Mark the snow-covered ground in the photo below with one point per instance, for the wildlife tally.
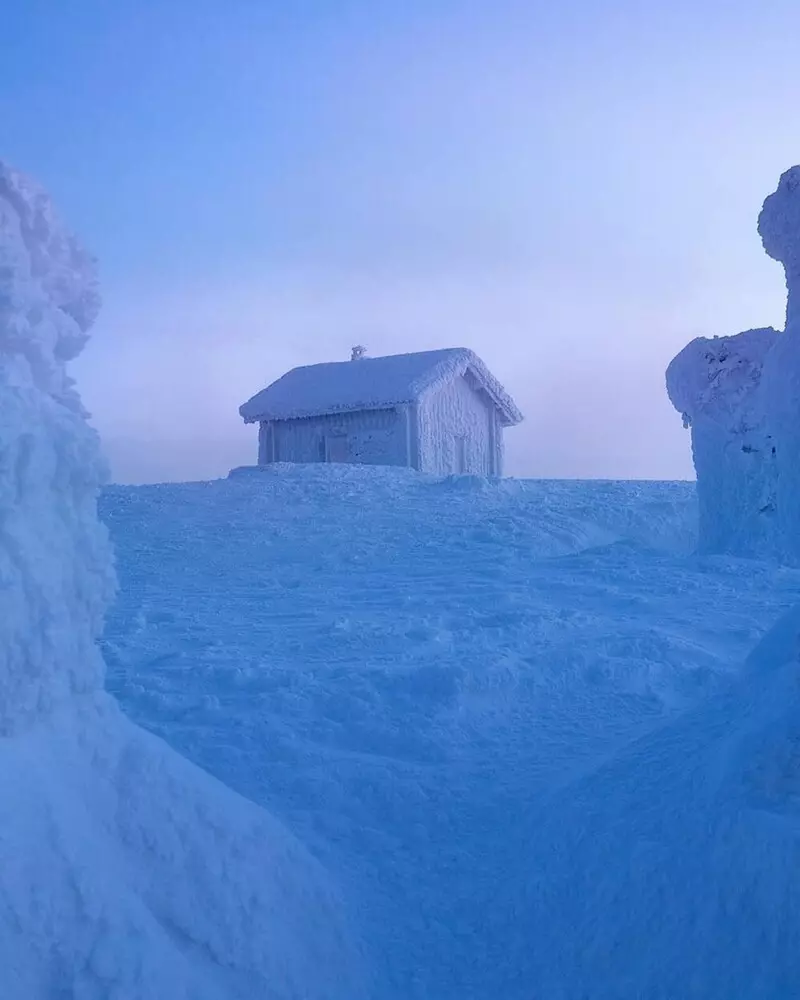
(513, 719)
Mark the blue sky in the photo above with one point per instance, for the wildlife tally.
(570, 189)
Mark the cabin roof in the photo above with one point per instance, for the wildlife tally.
(373, 384)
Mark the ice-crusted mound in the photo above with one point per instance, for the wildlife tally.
(715, 384)
(125, 871)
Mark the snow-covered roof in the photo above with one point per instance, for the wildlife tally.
(373, 384)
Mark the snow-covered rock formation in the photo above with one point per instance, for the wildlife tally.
(715, 384)
(125, 871)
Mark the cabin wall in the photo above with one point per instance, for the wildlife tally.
(364, 437)
(459, 431)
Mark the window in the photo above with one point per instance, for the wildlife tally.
(461, 454)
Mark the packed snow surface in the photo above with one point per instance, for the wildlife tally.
(371, 383)
(516, 720)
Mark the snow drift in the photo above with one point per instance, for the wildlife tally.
(125, 871)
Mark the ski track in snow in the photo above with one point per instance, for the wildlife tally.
(421, 676)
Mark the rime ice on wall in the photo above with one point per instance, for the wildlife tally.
(458, 432)
(373, 437)
(715, 384)
(125, 871)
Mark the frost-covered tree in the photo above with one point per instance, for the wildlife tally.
(124, 870)
(715, 384)
(55, 563)
(779, 227)
(741, 397)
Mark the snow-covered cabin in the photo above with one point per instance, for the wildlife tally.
(436, 411)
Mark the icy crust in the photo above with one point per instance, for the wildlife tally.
(715, 384)
(125, 871)
(372, 383)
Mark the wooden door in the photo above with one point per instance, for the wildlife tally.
(336, 448)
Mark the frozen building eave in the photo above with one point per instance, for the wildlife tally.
(374, 384)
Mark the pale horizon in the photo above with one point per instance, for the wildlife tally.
(570, 193)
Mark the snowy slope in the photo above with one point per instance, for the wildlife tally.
(126, 871)
(673, 870)
(488, 707)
